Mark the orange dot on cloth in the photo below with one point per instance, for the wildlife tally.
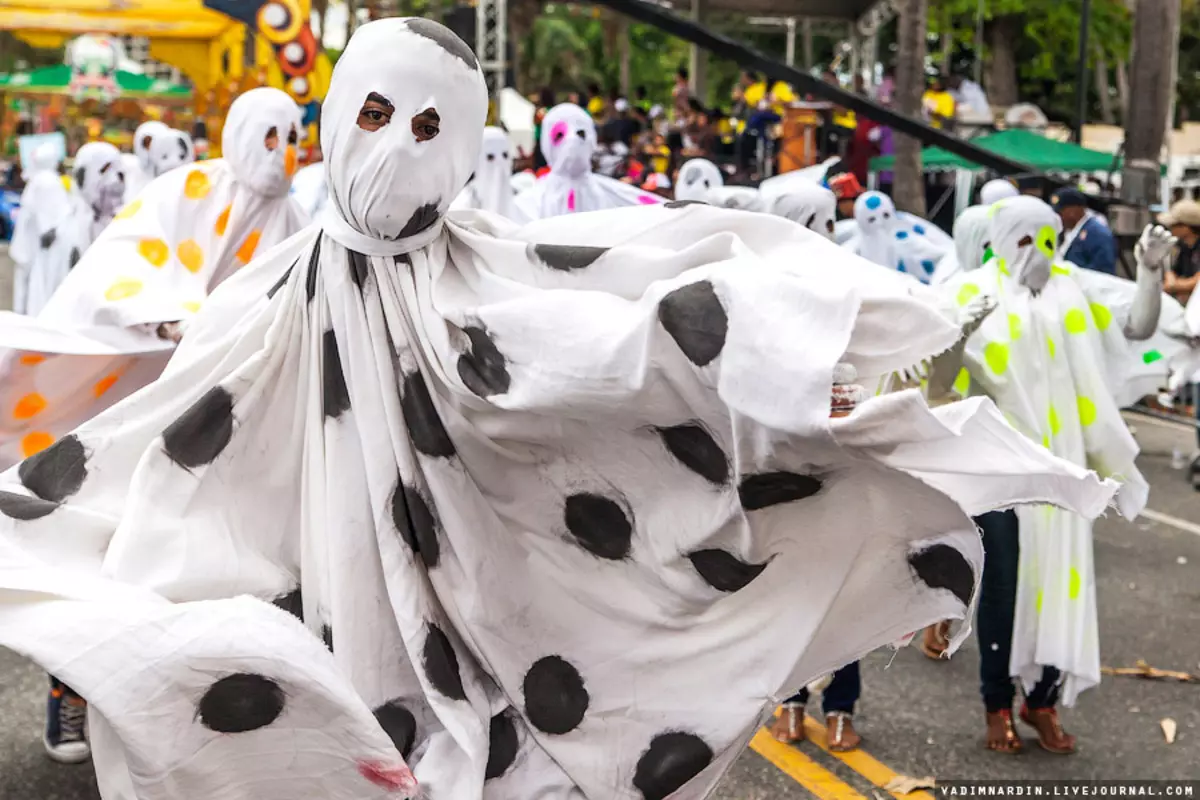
(29, 406)
(32, 359)
(190, 255)
(246, 251)
(35, 442)
(289, 160)
(223, 220)
(154, 250)
(197, 185)
(129, 210)
(104, 384)
(123, 288)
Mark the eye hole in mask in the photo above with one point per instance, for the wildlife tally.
(887, 215)
(1025, 241)
(293, 136)
(104, 169)
(829, 225)
(272, 139)
(504, 155)
(426, 125)
(491, 156)
(811, 219)
(558, 133)
(376, 112)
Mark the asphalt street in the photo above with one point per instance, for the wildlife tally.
(918, 717)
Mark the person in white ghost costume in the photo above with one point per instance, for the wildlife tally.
(519, 480)
(111, 326)
(491, 187)
(900, 242)
(170, 149)
(1043, 355)
(568, 142)
(996, 190)
(139, 169)
(45, 207)
(701, 180)
(970, 244)
(810, 205)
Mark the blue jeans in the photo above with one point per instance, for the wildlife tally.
(840, 695)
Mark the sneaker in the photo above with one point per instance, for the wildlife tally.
(66, 726)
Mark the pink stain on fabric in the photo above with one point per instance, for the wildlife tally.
(389, 775)
(648, 200)
(571, 200)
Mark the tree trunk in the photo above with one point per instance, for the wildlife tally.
(351, 18)
(624, 56)
(908, 190)
(321, 7)
(1151, 88)
(807, 29)
(947, 42)
(1123, 90)
(521, 16)
(1002, 67)
(1103, 89)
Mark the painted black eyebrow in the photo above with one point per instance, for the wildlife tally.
(375, 97)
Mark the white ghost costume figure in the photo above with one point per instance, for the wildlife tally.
(522, 480)
(902, 242)
(812, 206)
(171, 149)
(100, 338)
(701, 180)
(970, 244)
(139, 169)
(569, 141)
(996, 190)
(43, 235)
(98, 187)
(1042, 356)
(491, 186)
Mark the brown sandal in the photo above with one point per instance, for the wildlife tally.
(1051, 735)
(1002, 734)
(788, 726)
(936, 640)
(840, 734)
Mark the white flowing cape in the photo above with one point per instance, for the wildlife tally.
(566, 502)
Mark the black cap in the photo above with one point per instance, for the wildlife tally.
(1067, 198)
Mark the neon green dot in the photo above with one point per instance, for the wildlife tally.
(1087, 411)
(1150, 356)
(1075, 321)
(1046, 442)
(1074, 584)
(967, 293)
(1055, 424)
(996, 356)
(1038, 601)
(1102, 316)
(1003, 265)
(1058, 269)
(1014, 327)
(1051, 346)
(962, 383)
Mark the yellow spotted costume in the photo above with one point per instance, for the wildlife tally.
(98, 339)
(1044, 356)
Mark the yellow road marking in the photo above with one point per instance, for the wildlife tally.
(802, 769)
(857, 760)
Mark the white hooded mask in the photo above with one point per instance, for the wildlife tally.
(491, 186)
(170, 149)
(139, 167)
(970, 244)
(875, 214)
(810, 205)
(45, 233)
(697, 178)
(995, 191)
(99, 178)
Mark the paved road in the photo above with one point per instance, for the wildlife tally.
(919, 717)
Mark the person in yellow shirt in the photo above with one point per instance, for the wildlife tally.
(938, 104)
(595, 103)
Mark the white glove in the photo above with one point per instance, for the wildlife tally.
(1155, 247)
(974, 313)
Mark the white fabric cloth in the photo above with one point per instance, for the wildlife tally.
(44, 234)
(490, 187)
(697, 177)
(96, 341)
(568, 142)
(541, 487)
(309, 189)
(1044, 359)
(139, 168)
(812, 206)
(970, 243)
(171, 149)
(996, 190)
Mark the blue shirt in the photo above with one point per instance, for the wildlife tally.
(1094, 247)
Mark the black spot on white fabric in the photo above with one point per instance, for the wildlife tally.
(698, 451)
(399, 724)
(696, 320)
(279, 284)
(80, 176)
(202, 432)
(425, 427)
(74, 258)
(292, 602)
(723, 570)
(314, 263)
(360, 268)
(503, 744)
(241, 702)
(567, 257)
(327, 637)
(416, 523)
(47, 238)
(183, 148)
(555, 696)
(774, 488)
(402, 258)
(672, 760)
(444, 38)
(335, 396)
(57, 472)
(943, 567)
(484, 370)
(422, 219)
(684, 203)
(23, 507)
(441, 664)
(599, 525)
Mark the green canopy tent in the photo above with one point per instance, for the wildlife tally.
(1026, 147)
(124, 86)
